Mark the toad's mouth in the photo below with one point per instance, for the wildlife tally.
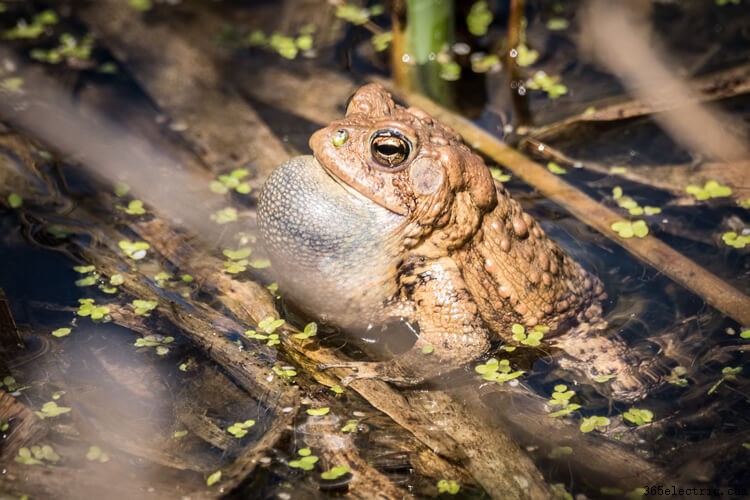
(350, 186)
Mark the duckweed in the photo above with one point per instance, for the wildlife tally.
(12, 84)
(355, 14)
(158, 342)
(555, 168)
(232, 181)
(34, 29)
(676, 377)
(144, 307)
(306, 461)
(135, 207)
(497, 371)
(37, 455)
(310, 330)
(15, 200)
(533, 338)
(728, 373)
(628, 229)
(141, 6)
(711, 189)
(617, 169)
(179, 434)
(225, 215)
(136, 250)
(51, 410)
(604, 378)
(284, 371)
(213, 478)
(549, 84)
(590, 423)
(631, 205)
(381, 41)
(638, 416)
(336, 389)
(498, 175)
(240, 429)
(351, 426)
(450, 71)
(95, 454)
(61, 332)
(88, 308)
(121, 189)
(269, 324)
(735, 240)
(557, 24)
(318, 412)
(524, 56)
(449, 486)
(335, 472)
(560, 451)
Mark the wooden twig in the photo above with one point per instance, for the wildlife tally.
(684, 271)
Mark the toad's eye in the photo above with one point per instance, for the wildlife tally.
(390, 148)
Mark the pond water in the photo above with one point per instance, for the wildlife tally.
(133, 405)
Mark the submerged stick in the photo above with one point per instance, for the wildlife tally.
(658, 254)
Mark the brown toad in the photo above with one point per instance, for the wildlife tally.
(395, 218)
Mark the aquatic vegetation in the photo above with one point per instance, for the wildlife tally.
(336, 389)
(727, 373)
(306, 461)
(557, 24)
(497, 371)
(524, 56)
(561, 397)
(335, 472)
(10, 384)
(595, 422)
(61, 332)
(734, 240)
(555, 168)
(676, 377)
(141, 6)
(351, 426)
(95, 454)
(225, 215)
(179, 434)
(70, 47)
(616, 169)
(310, 330)
(37, 455)
(600, 379)
(560, 492)
(51, 410)
(144, 307)
(35, 28)
(135, 207)
(381, 41)
(532, 338)
(318, 412)
(479, 18)
(631, 205)
(560, 451)
(231, 181)
(213, 478)
(270, 324)
(284, 371)
(498, 175)
(121, 189)
(136, 250)
(240, 429)
(449, 486)
(159, 342)
(88, 308)
(427, 349)
(711, 189)
(15, 200)
(628, 229)
(12, 84)
(549, 84)
(450, 71)
(638, 416)
(357, 15)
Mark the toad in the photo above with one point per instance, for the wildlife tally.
(394, 218)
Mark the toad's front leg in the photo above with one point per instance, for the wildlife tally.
(451, 332)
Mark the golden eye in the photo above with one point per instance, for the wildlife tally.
(390, 148)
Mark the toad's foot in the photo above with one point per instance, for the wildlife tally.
(374, 370)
